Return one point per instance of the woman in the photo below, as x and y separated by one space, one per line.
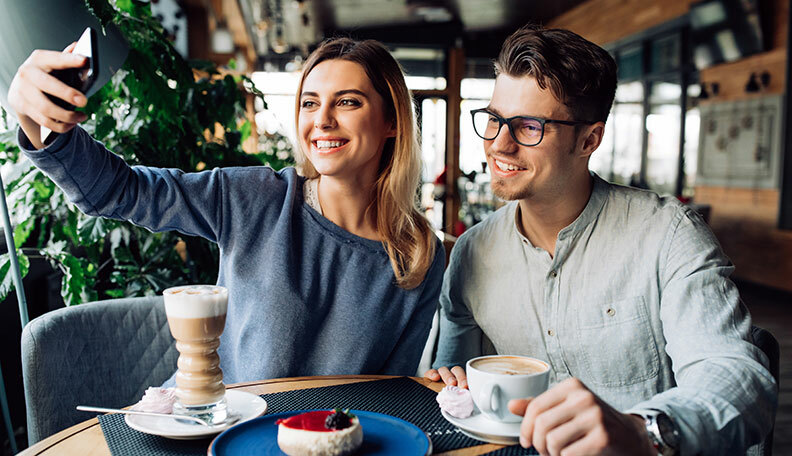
330 272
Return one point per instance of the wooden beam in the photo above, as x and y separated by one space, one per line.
239 30
456 69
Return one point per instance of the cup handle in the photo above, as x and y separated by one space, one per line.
489 398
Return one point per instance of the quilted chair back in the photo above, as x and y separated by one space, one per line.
103 353
766 342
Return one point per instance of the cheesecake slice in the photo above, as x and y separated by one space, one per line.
320 433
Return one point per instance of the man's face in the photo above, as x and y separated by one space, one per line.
536 172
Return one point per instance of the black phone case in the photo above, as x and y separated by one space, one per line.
79 78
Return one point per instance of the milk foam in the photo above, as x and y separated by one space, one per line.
196 301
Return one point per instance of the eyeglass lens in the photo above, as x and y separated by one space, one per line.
525 129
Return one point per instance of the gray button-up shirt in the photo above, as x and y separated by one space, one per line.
635 302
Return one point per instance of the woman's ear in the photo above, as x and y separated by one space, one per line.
391 133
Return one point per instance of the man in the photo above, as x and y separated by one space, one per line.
625 294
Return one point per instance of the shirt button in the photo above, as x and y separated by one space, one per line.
550 332
553 274
611 312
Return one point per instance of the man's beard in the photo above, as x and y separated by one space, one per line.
504 192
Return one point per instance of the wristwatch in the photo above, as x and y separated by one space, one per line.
662 432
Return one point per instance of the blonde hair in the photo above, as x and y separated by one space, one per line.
406 235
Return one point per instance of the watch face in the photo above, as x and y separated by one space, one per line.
667 430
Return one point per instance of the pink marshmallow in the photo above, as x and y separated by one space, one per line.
455 401
157 400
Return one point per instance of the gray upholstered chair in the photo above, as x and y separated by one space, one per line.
102 353
763 339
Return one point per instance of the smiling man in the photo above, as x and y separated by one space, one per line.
626 294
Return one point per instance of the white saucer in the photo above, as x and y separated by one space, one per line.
247 404
479 427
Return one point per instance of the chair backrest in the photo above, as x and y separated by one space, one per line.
103 353
765 341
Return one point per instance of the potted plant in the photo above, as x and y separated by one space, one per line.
158 110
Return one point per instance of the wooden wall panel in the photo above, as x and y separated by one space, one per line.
744 220
732 77
605 21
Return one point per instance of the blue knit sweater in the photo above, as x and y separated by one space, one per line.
306 297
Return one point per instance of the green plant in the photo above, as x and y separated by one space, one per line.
158 110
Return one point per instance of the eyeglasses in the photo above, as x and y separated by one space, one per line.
525 130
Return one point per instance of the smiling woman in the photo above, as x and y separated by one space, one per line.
358 262
357 137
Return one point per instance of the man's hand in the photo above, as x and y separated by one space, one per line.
569 420
452 377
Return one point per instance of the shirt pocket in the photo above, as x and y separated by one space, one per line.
615 343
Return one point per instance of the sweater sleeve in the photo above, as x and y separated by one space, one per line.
725 397
101 183
404 359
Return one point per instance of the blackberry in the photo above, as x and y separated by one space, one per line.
338 420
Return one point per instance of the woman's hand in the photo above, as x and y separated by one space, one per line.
452 377
26 95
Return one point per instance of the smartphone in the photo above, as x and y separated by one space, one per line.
80 78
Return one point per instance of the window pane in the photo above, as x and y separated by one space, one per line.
471 147
601 161
433 137
627 127
630 63
665 54
630 92
425 83
692 125
662 124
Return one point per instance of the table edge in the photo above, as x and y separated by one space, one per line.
51 441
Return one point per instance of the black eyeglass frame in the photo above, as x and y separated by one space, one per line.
507 121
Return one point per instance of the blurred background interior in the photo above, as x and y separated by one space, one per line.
701 113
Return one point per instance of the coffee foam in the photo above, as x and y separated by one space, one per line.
196 301
509 365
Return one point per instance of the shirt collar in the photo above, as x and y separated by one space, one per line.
599 193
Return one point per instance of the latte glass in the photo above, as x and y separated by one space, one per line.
196 317
495 380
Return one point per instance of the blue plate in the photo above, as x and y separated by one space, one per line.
383 435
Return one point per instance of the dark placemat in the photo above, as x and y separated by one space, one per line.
514 450
399 397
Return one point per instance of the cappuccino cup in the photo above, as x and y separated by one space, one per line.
495 380
196 317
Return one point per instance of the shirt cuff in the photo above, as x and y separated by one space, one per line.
56 145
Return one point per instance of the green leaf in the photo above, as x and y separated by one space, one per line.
22 231
74 280
92 229
102 10
115 293
6 277
245 130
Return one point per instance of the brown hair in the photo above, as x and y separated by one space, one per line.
406 234
580 74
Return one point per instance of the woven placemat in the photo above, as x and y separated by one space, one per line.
514 450
399 397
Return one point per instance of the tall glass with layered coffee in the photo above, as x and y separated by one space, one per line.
196 316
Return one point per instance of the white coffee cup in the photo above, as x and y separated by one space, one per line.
496 379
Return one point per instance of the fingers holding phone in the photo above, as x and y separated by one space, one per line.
49 84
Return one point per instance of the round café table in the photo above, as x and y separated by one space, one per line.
86 438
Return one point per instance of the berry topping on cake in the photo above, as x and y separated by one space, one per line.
339 419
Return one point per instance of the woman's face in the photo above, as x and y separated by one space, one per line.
341 123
